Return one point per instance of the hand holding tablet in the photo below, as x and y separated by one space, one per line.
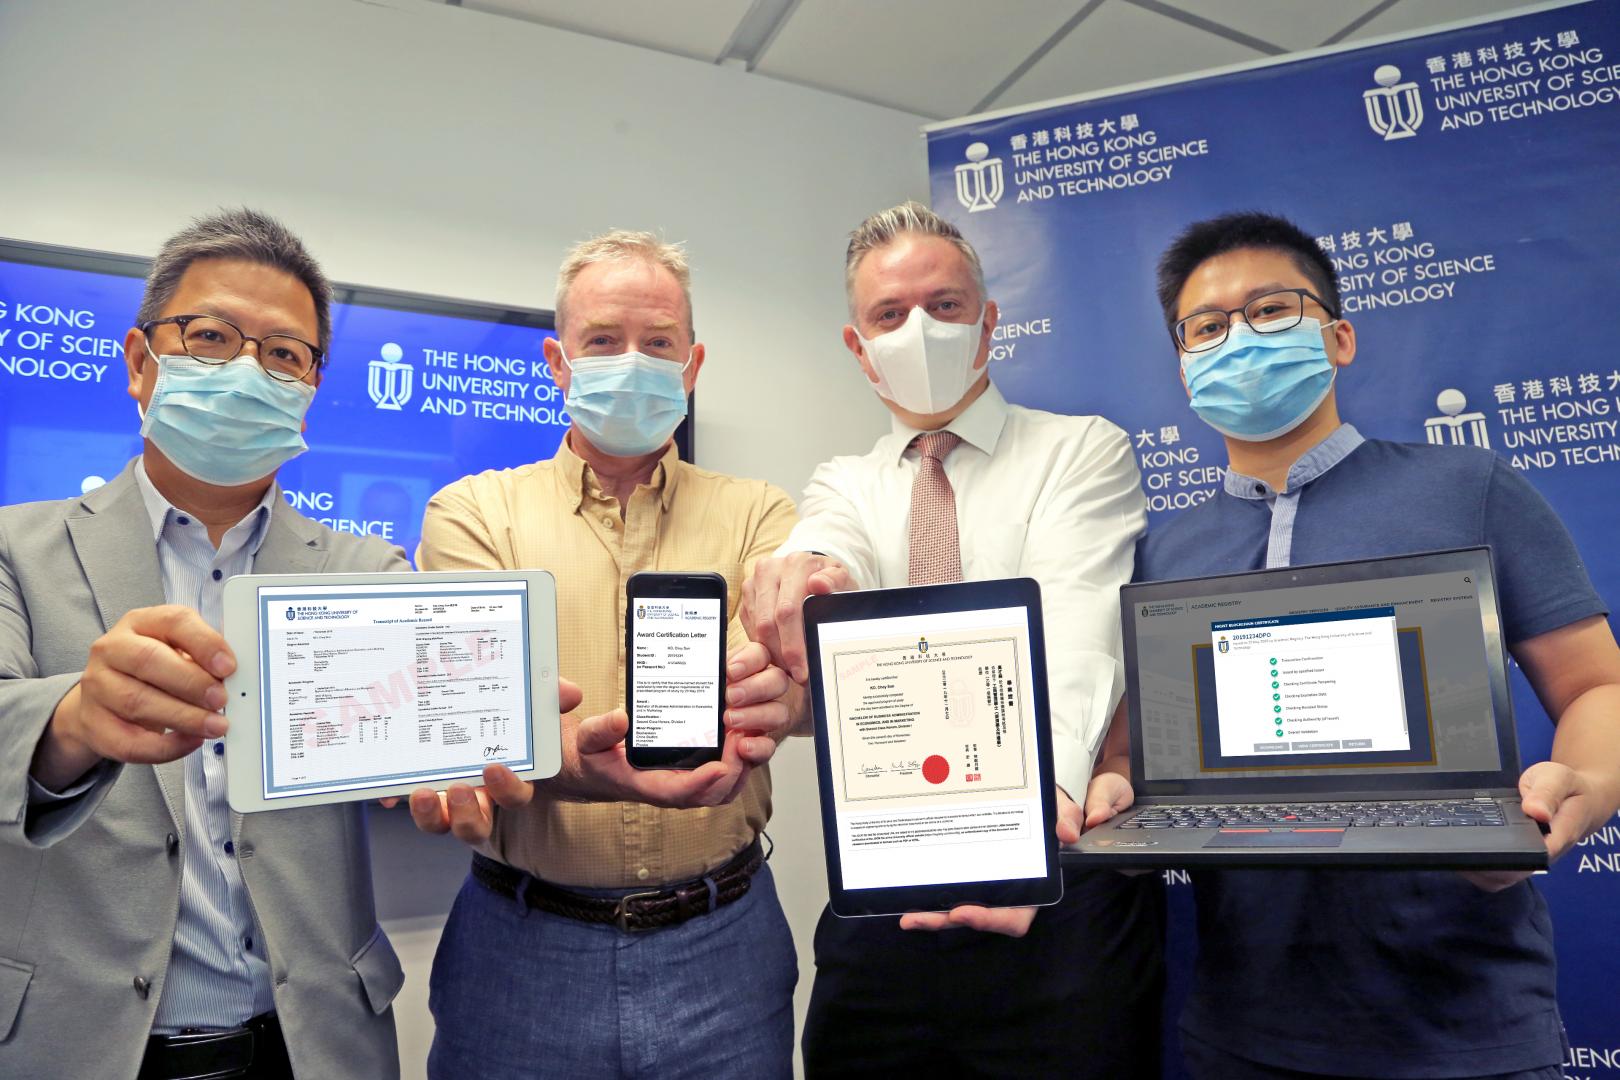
934 752
1010 921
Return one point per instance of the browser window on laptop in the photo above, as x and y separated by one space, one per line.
1344 678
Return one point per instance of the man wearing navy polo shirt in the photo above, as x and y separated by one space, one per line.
1388 974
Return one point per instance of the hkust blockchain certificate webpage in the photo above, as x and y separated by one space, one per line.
932 748
380 684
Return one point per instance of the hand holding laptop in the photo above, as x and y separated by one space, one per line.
1345 714
1107 796
1554 796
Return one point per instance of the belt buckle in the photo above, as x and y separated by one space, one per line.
621 911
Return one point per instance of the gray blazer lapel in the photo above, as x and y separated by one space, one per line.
113 540
292 545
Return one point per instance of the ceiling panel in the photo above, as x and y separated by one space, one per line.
925 56
1121 44
691 29
1292 24
1412 15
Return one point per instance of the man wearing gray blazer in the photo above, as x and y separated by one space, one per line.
145 930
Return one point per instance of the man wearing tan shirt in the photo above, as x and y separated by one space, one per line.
614 939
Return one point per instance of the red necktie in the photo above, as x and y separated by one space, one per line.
936 552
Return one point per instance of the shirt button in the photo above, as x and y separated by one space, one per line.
218 574
643 874
608 521
219 749
230 848
1261 488
143 986
182 520
247 943
171 843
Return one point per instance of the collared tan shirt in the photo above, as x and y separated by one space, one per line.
553 515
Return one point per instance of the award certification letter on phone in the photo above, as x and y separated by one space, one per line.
931 743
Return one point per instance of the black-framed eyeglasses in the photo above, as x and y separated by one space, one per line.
209 339
1269 314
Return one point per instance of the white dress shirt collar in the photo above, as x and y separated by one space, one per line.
159 509
980 425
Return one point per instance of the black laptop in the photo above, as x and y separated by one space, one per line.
1350 714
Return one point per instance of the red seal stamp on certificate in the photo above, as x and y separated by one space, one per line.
936 769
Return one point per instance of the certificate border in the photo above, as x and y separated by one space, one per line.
273 791
843 745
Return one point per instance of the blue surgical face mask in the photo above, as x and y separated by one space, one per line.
627 405
225 424
1256 386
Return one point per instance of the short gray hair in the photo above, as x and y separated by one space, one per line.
617 244
886 226
237 234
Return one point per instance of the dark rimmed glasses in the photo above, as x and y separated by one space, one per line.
1269 314
209 339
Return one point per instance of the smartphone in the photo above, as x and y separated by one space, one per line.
675 678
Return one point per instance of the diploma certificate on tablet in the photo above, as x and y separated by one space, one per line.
932 748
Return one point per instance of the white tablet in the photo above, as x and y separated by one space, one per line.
356 686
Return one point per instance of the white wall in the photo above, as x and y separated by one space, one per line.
438 150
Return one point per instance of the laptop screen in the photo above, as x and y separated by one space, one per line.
1305 671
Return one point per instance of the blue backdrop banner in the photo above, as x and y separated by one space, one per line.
418 392
1466 185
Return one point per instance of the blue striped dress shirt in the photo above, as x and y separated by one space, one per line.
219 972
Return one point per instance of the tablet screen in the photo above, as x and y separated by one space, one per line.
363 686
932 747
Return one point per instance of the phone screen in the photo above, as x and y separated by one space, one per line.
675 649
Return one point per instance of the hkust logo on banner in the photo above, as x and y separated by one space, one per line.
1454 427
471 383
1394 108
979 181
389 379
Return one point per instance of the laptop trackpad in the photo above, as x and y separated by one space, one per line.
1275 838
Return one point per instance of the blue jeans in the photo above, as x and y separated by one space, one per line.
525 994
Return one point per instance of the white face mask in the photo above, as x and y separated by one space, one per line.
925 365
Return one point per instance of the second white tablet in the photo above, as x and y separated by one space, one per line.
356 686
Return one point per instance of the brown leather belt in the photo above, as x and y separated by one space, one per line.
635 911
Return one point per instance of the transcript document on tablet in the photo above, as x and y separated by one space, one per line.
370 685
932 745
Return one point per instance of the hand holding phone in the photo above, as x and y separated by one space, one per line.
675 669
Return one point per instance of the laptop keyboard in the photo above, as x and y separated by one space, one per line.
1386 815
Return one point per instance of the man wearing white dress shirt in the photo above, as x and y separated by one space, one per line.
969 487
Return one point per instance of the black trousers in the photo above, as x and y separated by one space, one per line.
1079 996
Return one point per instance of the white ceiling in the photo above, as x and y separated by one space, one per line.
948 58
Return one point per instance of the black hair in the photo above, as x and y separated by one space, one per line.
238 234
1203 240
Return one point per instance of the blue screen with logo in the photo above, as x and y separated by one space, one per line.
417 393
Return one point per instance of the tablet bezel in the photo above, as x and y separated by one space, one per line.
244 760
936 600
